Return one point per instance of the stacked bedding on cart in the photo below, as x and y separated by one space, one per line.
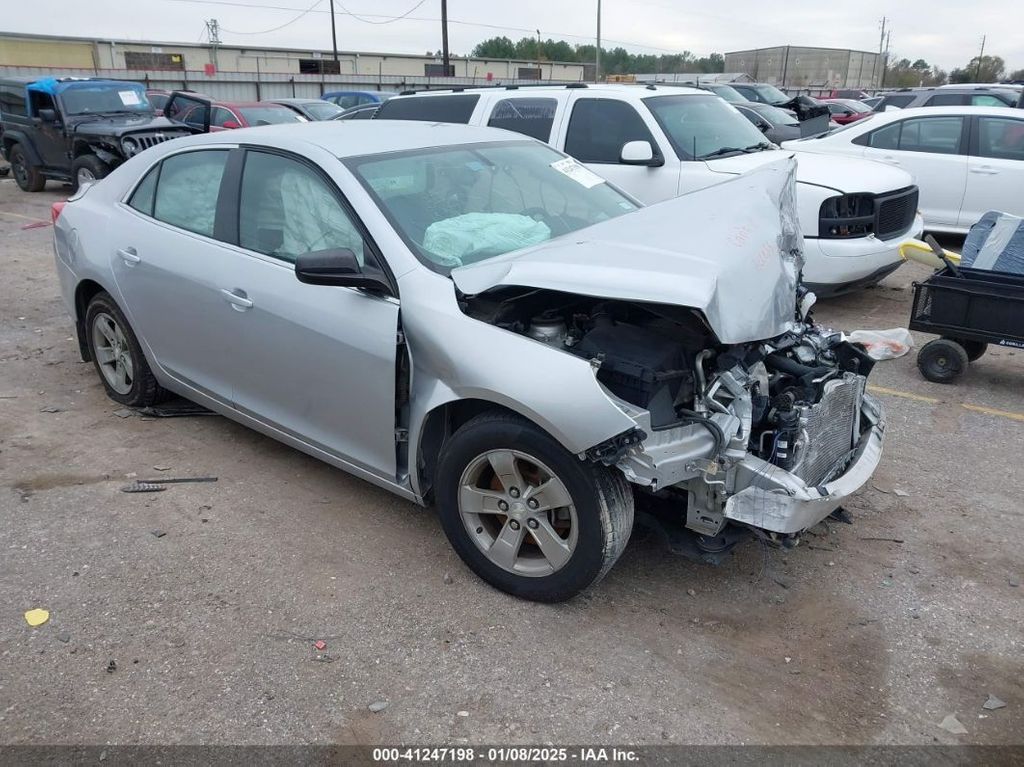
996 243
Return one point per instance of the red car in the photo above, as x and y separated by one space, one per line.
242 114
844 111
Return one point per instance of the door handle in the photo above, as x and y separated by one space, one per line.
237 298
985 170
890 159
129 256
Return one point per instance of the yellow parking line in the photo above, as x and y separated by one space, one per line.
18 215
993 411
905 394
935 401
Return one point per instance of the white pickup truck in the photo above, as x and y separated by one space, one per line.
656 142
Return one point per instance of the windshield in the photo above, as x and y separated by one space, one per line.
323 110
457 205
91 98
770 94
269 115
699 126
776 116
728 93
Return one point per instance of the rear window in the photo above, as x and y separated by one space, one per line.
269 115
435 109
12 100
531 117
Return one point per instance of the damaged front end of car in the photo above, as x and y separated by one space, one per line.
748 417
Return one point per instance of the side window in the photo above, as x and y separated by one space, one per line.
885 138
531 117
439 109
12 100
599 127
894 101
286 209
219 116
194 117
38 100
937 135
186 195
144 194
946 100
348 100
987 100
1001 138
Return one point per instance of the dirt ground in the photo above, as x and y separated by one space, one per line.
865 634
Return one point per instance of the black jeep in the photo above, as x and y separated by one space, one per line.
76 129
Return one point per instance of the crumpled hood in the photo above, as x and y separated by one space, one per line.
731 251
844 174
122 125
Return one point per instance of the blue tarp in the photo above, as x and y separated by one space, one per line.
995 242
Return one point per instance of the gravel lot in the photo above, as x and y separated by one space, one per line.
851 638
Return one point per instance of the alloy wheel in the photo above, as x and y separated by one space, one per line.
113 354
518 513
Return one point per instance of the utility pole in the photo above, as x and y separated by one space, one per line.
213 35
881 42
885 56
444 36
540 73
334 37
977 72
597 53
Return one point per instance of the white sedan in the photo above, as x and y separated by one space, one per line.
965 160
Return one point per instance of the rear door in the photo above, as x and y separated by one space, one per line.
189 109
933 151
995 168
170 270
596 131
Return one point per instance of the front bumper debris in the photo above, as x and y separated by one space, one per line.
780 502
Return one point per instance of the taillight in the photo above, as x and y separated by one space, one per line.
55 210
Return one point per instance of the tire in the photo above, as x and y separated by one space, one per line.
28 176
975 349
111 340
592 528
88 167
942 360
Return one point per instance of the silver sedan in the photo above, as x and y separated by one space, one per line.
472 320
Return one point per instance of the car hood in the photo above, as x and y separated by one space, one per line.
731 251
121 125
844 174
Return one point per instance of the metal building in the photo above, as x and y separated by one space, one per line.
795 67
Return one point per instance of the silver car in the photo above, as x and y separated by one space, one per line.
473 320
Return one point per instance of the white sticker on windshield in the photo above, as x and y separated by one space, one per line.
129 98
583 176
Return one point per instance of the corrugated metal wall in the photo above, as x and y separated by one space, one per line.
59 54
245 86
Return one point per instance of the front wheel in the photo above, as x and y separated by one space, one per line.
526 515
942 360
28 177
87 168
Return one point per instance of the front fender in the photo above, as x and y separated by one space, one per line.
455 357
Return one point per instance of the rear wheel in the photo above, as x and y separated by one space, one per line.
975 349
28 176
118 358
526 515
942 360
87 168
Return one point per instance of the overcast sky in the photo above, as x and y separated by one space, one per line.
942 32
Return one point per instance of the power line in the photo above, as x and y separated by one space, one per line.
387 19
363 17
275 29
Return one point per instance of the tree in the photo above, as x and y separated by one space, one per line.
987 69
901 73
495 48
1016 75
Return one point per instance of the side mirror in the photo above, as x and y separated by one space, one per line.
48 115
639 153
230 124
338 267
764 127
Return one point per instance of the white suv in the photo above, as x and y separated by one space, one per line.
657 142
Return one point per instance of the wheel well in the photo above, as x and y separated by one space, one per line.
84 293
81 148
438 425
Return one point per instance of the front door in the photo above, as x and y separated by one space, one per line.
171 271
50 141
995 169
312 361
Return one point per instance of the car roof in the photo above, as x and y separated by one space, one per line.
638 90
296 101
244 104
354 138
947 110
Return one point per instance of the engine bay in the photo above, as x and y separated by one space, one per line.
778 399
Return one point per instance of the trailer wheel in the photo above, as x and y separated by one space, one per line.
975 349
942 360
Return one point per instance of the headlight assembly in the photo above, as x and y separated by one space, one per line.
848 215
130 147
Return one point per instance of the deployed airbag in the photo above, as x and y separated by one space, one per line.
454 241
